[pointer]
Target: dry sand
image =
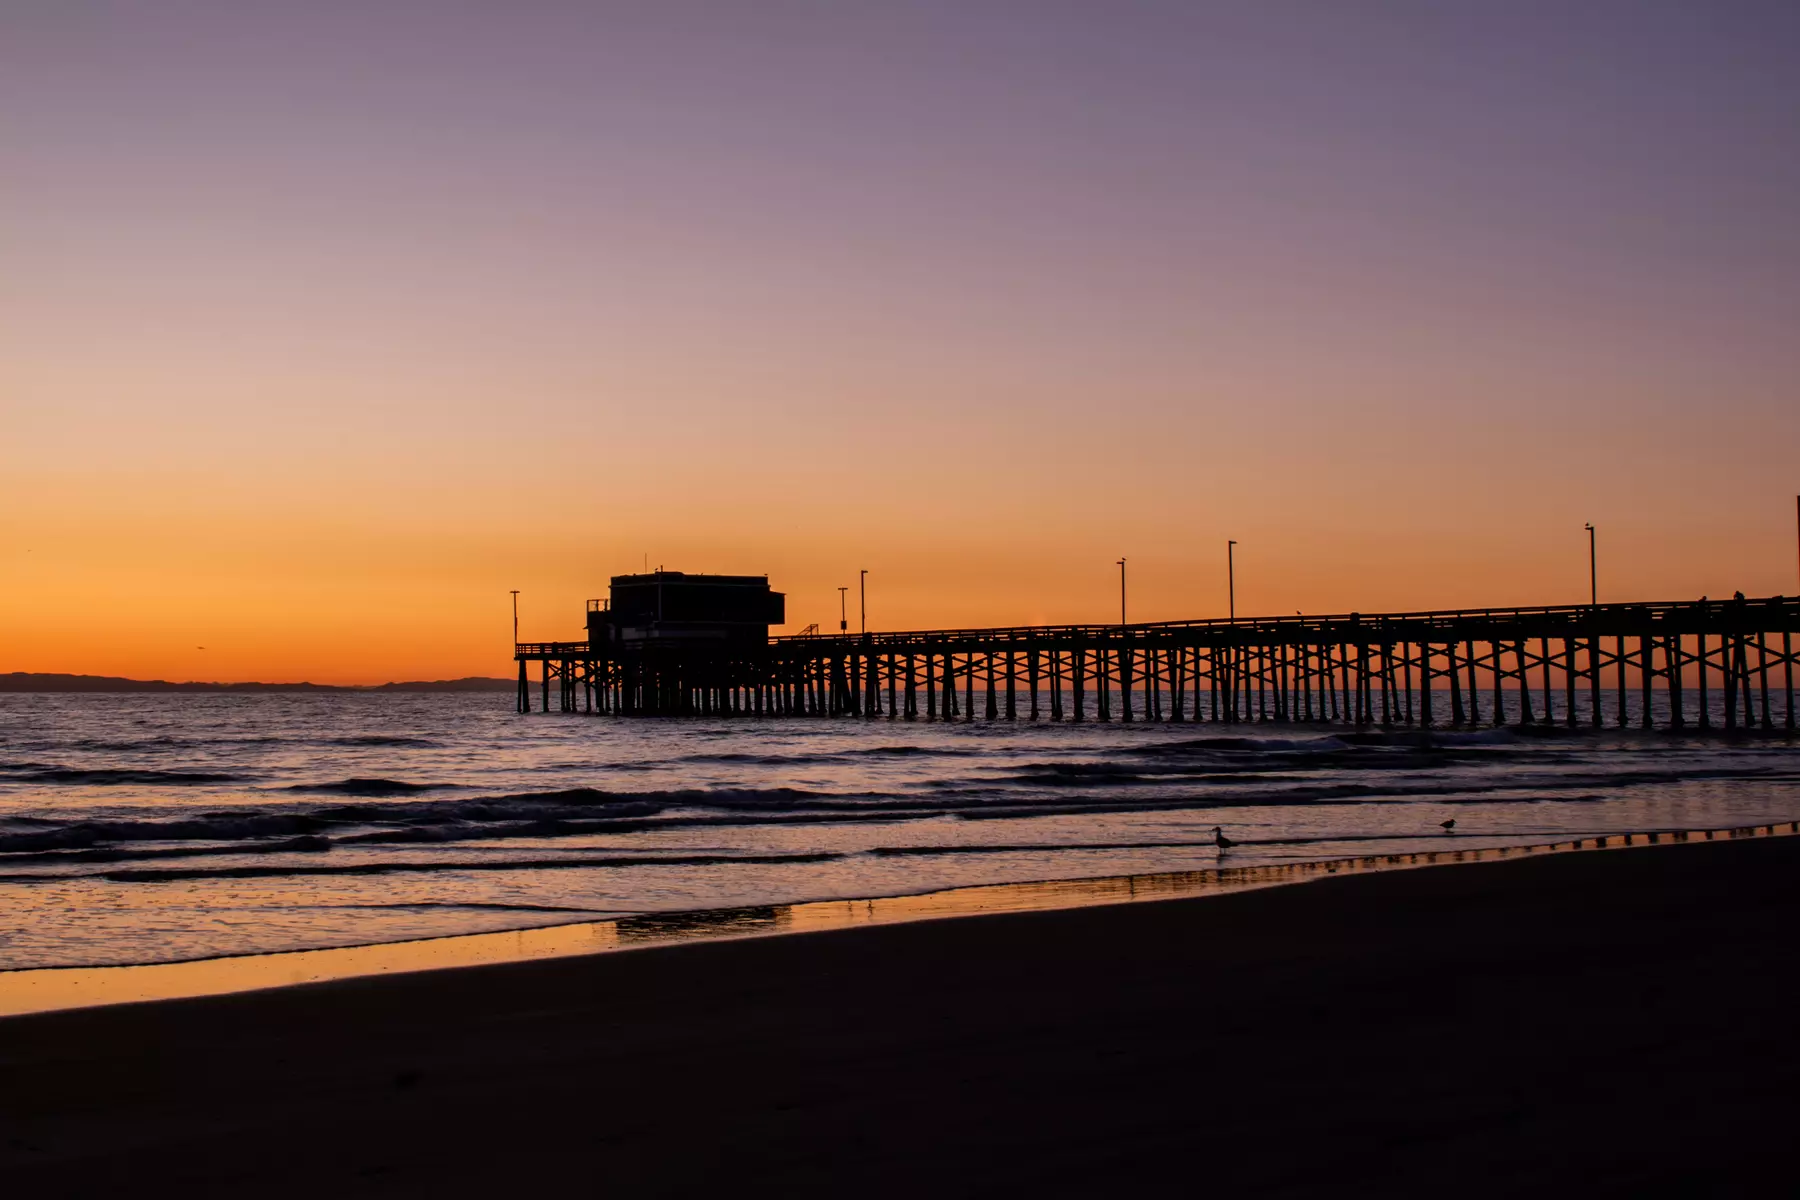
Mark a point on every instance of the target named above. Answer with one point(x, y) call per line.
point(1605, 1022)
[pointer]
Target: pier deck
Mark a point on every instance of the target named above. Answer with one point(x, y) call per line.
point(1703, 664)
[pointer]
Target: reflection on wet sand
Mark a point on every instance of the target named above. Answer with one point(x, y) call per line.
point(42, 990)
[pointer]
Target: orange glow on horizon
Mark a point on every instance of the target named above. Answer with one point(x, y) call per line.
point(317, 339)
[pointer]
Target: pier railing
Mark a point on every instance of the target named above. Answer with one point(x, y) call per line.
point(1735, 656)
point(1690, 614)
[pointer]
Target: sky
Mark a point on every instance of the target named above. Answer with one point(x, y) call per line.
point(323, 327)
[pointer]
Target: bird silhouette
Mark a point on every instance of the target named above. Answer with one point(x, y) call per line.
point(1221, 841)
point(1448, 826)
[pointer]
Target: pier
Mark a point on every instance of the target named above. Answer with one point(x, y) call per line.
point(1725, 665)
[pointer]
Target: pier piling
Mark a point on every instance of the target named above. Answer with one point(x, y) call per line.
point(1384, 670)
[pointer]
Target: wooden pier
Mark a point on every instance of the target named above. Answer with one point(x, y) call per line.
point(1706, 664)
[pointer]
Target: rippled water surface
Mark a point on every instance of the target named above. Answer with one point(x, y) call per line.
point(141, 828)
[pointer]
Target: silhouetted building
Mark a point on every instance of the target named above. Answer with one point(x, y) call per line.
point(675, 608)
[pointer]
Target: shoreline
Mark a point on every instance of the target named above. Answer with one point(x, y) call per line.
point(31, 990)
point(1610, 1022)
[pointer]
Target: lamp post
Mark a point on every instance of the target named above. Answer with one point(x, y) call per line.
point(843, 614)
point(1121, 591)
point(515, 596)
point(1230, 579)
point(862, 597)
point(1593, 570)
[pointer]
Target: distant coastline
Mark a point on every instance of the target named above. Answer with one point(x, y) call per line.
point(28, 681)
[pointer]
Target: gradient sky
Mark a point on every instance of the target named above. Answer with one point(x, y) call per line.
point(323, 326)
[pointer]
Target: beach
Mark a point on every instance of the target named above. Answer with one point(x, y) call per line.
point(1608, 1021)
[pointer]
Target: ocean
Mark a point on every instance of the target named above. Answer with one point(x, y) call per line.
point(138, 828)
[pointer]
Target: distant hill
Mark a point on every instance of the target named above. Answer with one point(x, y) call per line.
point(27, 681)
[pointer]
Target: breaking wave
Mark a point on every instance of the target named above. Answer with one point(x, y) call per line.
point(369, 787)
point(110, 776)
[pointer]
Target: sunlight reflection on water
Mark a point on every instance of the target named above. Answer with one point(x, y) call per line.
point(140, 828)
point(43, 990)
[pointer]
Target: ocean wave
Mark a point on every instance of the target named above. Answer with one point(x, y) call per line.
point(399, 813)
point(1425, 739)
point(94, 843)
point(1240, 745)
point(903, 751)
point(111, 776)
point(571, 862)
point(1435, 835)
point(369, 787)
point(1347, 746)
point(384, 739)
point(599, 914)
point(81, 835)
point(163, 743)
point(1191, 767)
point(1474, 737)
point(140, 852)
point(150, 745)
point(776, 758)
point(1461, 792)
point(556, 813)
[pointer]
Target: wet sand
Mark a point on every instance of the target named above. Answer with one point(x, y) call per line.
point(1609, 1021)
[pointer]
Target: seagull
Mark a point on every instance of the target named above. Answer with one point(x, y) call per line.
point(1448, 826)
point(1221, 841)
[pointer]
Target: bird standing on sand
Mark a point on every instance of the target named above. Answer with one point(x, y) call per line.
point(1221, 841)
point(1448, 826)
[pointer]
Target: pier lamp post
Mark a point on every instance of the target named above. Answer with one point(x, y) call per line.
point(1121, 591)
point(862, 598)
point(1230, 580)
point(1593, 570)
point(843, 614)
point(515, 596)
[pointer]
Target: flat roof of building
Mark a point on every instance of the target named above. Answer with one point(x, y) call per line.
point(685, 577)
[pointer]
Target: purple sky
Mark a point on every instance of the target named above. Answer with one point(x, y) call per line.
point(991, 290)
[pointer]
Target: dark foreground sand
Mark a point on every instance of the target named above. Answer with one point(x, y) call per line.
point(1613, 1022)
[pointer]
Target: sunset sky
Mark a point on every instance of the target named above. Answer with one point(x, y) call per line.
point(323, 326)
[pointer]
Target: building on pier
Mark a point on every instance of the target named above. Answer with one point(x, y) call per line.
point(675, 609)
